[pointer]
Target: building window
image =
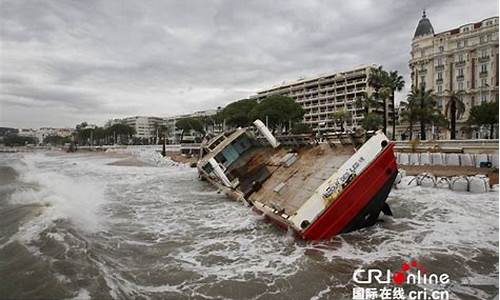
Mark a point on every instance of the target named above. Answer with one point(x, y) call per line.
point(422, 80)
point(481, 39)
point(484, 82)
point(460, 57)
point(460, 86)
point(484, 68)
point(484, 98)
point(441, 49)
point(461, 72)
point(440, 75)
point(439, 61)
point(484, 53)
point(459, 44)
point(466, 41)
point(440, 89)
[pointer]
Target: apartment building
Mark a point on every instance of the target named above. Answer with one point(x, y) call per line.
point(321, 96)
point(175, 134)
point(145, 127)
point(464, 58)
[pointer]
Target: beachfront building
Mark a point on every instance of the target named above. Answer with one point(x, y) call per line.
point(208, 118)
point(322, 95)
point(465, 59)
point(145, 127)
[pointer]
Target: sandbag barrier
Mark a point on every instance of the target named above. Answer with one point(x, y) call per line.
point(472, 184)
point(448, 159)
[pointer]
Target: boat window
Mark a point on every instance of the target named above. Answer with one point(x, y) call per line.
point(208, 168)
point(220, 158)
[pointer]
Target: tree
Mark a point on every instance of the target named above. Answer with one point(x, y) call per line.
point(439, 121)
point(81, 134)
point(163, 132)
point(366, 101)
point(279, 110)
point(56, 140)
point(341, 116)
point(17, 140)
point(378, 79)
point(372, 121)
point(395, 83)
point(410, 113)
point(426, 108)
point(218, 119)
point(188, 124)
point(238, 113)
point(121, 130)
point(99, 135)
point(301, 128)
point(454, 109)
point(485, 114)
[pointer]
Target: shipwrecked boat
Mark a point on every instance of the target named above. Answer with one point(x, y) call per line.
point(318, 189)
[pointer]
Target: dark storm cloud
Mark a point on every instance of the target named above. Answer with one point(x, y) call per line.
point(62, 62)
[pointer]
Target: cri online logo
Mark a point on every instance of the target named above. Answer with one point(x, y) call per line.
point(404, 275)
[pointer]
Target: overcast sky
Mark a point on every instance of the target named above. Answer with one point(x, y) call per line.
point(64, 62)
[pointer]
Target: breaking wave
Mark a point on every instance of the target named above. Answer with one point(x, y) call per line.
point(100, 231)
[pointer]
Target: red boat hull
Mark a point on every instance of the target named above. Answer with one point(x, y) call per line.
point(360, 203)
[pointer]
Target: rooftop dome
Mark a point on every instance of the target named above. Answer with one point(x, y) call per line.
point(424, 27)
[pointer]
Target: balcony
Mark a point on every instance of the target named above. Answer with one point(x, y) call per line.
point(439, 67)
point(460, 77)
point(483, 59)
point(460, 63)
point(439, 81)
point(483, 73)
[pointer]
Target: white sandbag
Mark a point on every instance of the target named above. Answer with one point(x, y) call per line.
point(495, 188)
point(436, 159)
point(459, 184)
point(452, 159)
point(466, 160)
point(398, 179)
point(442, 182)
point(425, 159)
point(401, 174)
point(481, 158)
point(414, 159)
point(493, 158)
point(407, 182)
point(426, 180)
point(403, 159)
point(479, 184)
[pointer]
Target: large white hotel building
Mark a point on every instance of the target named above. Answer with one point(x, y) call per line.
point(464, 58)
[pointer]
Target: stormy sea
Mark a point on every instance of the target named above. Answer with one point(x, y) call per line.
point(77, 226)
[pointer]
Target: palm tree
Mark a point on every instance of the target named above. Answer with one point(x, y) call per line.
point(426, 107)
point(395, 83)
point(163, 131)
point(366, 101)
point(409, 114)
point(454, 109)
point(439, 121)
point(378, 79)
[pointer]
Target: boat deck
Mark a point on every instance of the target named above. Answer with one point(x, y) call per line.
point(287, 188)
